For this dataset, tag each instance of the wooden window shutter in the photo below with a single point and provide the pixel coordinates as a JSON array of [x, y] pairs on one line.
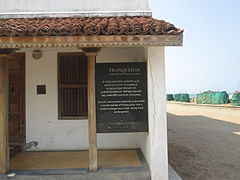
[[72, 85]]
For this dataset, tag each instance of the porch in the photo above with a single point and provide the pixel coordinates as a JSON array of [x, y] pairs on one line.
[[46, 130], [53, 146], [53, 160], [120, 164]]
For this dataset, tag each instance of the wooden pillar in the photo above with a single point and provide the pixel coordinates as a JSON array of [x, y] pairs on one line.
[[4, 152], [92, 132]]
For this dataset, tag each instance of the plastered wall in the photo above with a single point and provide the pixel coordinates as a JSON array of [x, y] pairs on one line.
[[45, 8], [154, 144], [43, 129]]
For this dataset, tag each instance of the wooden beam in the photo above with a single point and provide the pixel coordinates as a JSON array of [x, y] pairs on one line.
[[93, 164], [91, 41], [4, 151]]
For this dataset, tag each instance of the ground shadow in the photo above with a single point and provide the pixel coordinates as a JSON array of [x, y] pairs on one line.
[[203, 148]]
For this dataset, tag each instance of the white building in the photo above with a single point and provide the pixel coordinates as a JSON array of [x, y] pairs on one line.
[[47, 105]]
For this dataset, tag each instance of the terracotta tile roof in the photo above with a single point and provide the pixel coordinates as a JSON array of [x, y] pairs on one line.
[[83, 26]]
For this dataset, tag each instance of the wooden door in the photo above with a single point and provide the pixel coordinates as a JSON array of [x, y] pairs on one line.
[[17, 103]]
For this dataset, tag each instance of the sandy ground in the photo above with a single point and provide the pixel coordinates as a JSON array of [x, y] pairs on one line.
[[204, 142]]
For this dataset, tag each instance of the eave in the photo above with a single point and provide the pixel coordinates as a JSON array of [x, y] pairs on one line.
[[91, 41]]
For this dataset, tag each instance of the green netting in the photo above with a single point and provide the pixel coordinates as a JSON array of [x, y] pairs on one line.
[[236, 99], [205, 97], [170, 97], [220, 98], [177, 97], [211, 97], [182, 97]]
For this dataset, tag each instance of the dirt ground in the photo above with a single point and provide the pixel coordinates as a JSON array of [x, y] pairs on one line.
[[204, 142]]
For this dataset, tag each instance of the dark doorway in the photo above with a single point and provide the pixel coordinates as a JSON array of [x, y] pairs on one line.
[[17, 127]]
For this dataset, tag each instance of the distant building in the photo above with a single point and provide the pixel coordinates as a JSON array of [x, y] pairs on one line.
[[50, 49]]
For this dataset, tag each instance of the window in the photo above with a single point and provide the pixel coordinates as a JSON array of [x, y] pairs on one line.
[[72, 85]]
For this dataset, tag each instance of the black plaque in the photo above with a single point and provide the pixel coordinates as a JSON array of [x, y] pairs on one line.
[[121, 97], [41, 89]]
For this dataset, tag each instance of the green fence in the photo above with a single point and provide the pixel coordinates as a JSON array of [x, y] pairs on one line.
[[205, 97], [170, 97], [220, 98], [236, 99], [182, 97], [212, 97]]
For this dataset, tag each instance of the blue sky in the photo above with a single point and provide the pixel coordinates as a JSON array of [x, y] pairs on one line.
[[210, 56]]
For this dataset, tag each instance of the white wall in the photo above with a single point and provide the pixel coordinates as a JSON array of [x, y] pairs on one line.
[[154, 144], [44, 127], [49, 7], [42, 123]]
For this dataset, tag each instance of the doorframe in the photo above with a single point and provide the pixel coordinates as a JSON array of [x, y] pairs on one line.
[[23, 123]]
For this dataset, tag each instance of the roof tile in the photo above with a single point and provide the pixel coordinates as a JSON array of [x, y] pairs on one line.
[[83, 26]]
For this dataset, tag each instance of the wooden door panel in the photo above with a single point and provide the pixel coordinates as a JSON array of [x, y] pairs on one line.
[[14, 64], [17, 102], [14, 131], [13, 107]]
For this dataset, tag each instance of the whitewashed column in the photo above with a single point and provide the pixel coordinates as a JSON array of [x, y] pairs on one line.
[[157, 138]]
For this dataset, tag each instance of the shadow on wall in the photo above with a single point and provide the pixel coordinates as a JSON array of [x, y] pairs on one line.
[[200, 147]]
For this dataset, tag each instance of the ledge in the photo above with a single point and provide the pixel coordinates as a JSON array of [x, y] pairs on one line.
[[91, 41], [6, 15]]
